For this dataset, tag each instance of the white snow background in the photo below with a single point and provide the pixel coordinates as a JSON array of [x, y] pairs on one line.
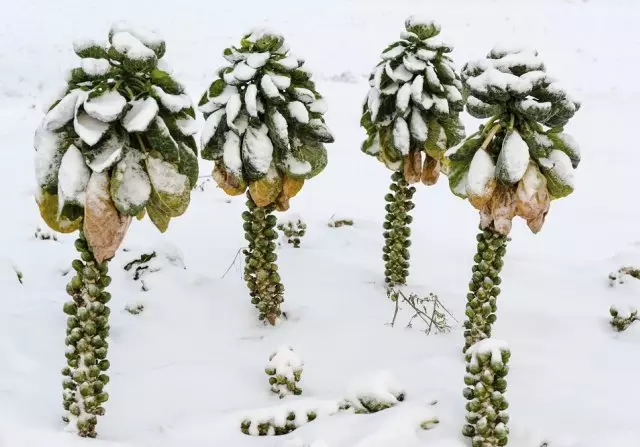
[[191, 365]]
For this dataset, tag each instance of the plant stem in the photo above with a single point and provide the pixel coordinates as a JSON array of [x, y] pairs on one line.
[[87, 332], [397, 232], [261, 271], [492, 133], [483, 288]]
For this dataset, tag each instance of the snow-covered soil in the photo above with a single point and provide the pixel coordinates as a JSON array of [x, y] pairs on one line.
[[190, 366]]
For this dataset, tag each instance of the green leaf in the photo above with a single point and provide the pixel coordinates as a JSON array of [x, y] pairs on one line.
[[160, 139], [188, 164], [453, 129], [164, 80], [90, 51], [170, 190], [216, 88]]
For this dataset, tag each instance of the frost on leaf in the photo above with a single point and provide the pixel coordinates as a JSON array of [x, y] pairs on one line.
[[130, 185], [170, 189]]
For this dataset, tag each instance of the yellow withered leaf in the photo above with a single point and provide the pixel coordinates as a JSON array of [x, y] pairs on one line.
[[227, 181], [48, 205], [266, 190]]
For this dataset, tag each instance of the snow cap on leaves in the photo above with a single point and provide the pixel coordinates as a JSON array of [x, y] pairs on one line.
[[414, 102], [120, 114], [264, 120], [522, 158]]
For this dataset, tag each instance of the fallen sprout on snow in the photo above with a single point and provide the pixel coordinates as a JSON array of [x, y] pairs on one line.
[[293, 230], [622, 273], [622, 322]]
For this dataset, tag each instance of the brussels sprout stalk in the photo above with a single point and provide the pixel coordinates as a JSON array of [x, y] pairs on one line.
[[87, 331], [484, 286], [261, 270], [397, 231], [485, 380]]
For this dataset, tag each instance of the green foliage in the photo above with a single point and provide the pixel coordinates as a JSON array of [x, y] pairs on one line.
[[120, 110], [293, 231], [397, 232], [261, 270], [484, 286], [485, 380], [620, 322], [264, 119], [414, 102], [85, 375]]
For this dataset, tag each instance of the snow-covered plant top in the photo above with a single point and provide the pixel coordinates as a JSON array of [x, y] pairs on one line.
[[521, 159], [285, 371], [119, 138], [414, 103], [264, 121]]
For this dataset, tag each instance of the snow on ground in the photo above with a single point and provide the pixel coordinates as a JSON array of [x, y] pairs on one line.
[[186, 368]]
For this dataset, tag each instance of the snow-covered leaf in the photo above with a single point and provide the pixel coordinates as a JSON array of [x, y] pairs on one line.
[[401, 137], [89, 129], [107, 107], [130, 185], [513, 159], [73, 178], [257, 152], [250, 100], [298, 111], [142, 112], [64, 111], [105, 154]]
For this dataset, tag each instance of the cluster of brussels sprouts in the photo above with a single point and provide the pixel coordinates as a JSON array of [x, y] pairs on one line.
[[487, 416]]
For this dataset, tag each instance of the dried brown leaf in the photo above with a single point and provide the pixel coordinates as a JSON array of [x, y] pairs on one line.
[[104, 226]]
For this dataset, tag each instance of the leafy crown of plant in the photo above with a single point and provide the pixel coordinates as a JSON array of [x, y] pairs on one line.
[[414, 102], [120, 139], [521, 159], [264, 121]]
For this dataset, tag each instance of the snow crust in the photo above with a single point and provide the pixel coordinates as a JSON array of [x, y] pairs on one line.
[[142, 112], [95, 67], [126, 43], [106, 107]]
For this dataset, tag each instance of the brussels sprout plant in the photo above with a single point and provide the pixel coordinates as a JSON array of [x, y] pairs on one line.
[[411, 116], [265, 132], [116, 145], [515, 165]]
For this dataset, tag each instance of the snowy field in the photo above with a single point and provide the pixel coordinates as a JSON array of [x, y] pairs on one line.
[[190, 367]]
